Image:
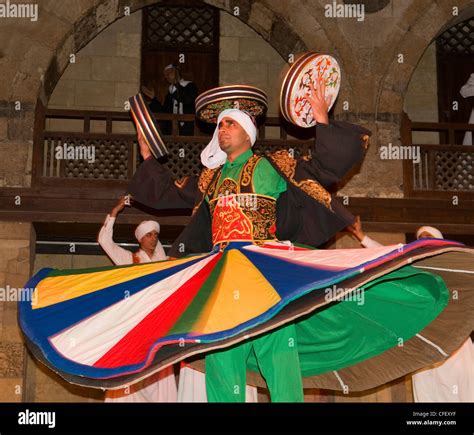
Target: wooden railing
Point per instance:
(95, 149)
(443, 170)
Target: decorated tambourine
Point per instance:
(247, 98)
(146, 124)
(309, 68)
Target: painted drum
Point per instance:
(309, 68)
(247, 98)
(146, 124)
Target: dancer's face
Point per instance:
(233, 139)
(149, 240)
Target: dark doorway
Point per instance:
(182, 32)
(455, 54)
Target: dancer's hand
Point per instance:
(144, 149)
(356, 229)
(319, 103)
(119, 207)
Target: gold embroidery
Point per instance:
(205, 178)
(287, 165)
(227, 187)
(285, 162)
(247, 171)
(243, 217)
(316, 191)
(181, 182)
(365, 139)
(212, 187)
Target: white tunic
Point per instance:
(161, 386)
(121, 256)
(449, 381)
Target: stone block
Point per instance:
(433, 17)
(63, 94)
(229, 48)
(14, 170)
(81, 69)
(57, 261)
(107, 13)
(390, 101)
(104, 44)
(3, 128)
(11, 360)
(123, 91)
(258, 50)
(116, 69)
(92, 94)
(245, 73)
(15, 231)
(128, 23)
(67, 11)
(129, 45)
(261, 18)
(11, 389)
(233, 26)
(21, 125)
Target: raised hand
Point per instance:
(319, 103)
(356, 229)
(119, 207)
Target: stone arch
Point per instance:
(425, 28)
(269, 25)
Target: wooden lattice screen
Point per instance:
(170, 26)
(185, 33)
(458, 39)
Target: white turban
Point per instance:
(145, 227)
(212, 156)
(431, 230)
(468, 89)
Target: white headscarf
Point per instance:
(431, 230)
(145, 227)
(212, 156)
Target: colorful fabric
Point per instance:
(110, 322)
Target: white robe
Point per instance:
(449, 381)
(161, 386)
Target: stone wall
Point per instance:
(43, 384)
(246, 58)
(16, 249)
(421, 99)
(106, 71)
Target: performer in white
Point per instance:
(160, 387)
(451, 380)
(468, 91)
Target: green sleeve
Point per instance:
(267, 181)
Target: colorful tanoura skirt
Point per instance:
(363, 316)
